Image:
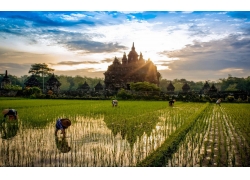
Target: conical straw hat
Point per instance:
(66, 122)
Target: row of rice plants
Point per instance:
(239, 118)
(161, 154)
(213, 141)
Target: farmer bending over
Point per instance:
(218, 101)
(11, 113)
(171, 102)
(62, 124)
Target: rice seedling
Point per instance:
(123, 136)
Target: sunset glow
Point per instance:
(210, 44)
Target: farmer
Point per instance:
(171, 102)
(11, 113)
(62, 124)
(218, 101)
(114, 103)
(62, 145)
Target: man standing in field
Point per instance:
(218, 101)
(114, 103)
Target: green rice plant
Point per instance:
(124, 136)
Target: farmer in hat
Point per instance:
(114, 103)
(11, 113)
(218, 101)
(171, 102)
(62, 124)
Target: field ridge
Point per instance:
(160, 156)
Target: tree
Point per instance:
(144, 86)
(40, 70)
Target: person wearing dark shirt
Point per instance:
(10, 113)
(62, 124)
(171, 102)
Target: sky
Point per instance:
(192, 43)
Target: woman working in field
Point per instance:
(10, 113)
(62, 124)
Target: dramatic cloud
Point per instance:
(188, 44)
(76, 63)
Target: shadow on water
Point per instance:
(62, 145)
(9, 129)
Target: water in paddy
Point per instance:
(89, 142)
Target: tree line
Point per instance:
(43, 73)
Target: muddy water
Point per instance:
(88, 143)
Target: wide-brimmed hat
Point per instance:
(66, 122)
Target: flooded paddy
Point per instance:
(103, 136)
(97, 140)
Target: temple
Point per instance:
(6, 80)
(32, 81)
(170, 87)
(53, 84)
(132, 68)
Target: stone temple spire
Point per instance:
(133, 47)
(132, 56)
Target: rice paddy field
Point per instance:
(134, 134)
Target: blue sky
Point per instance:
(195, 45)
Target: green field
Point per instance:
(136, 133)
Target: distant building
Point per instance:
(53, 84)
(185, 88)
(99, 87)
(170, 87)
(212, 89)
(6, 80)
(205, 88)
(132, 68)
(84, 87)
(32, 82)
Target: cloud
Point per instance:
(211, 43)
(76, 62)
(15, 69)
(45, 19)
(93, 46)
(90, 72)
(107, 60)
(18, 57)
(211, 59)
(239, 14)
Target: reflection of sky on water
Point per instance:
(92, 144)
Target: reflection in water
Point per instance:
(91, 142)
(62, 144)
(9, 129)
